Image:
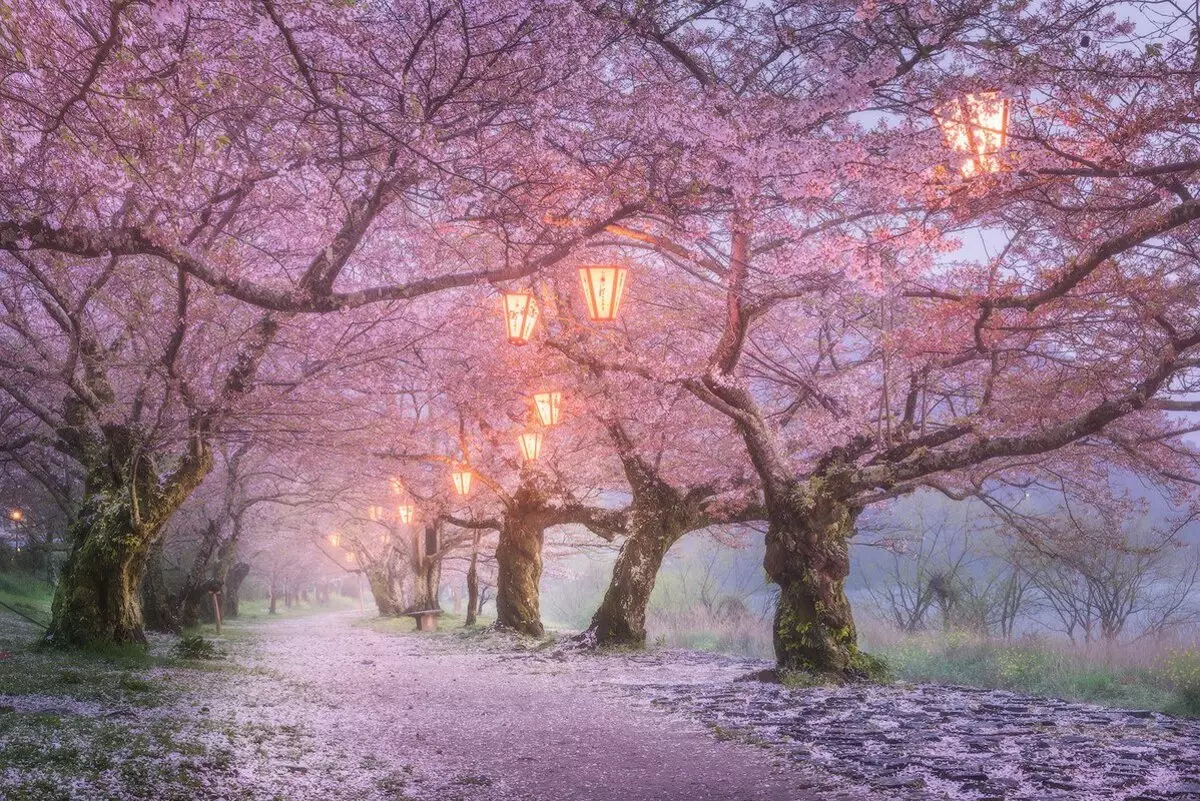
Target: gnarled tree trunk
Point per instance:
(621, 618)
(808, 557)
(519, 575)
(383, 590)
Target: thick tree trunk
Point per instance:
(426, 567)
(98, 595)
(807, 556)
(233, 587)
(274, 595)
(159, 611)
(519, 576)
(383, 590)
(621, 618)
(473, 585)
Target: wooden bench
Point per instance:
(426, 619)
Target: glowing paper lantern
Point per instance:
(16, 515)
(531, 445)
(603, 285)
(335, 539)
(375, 513)
(397, 485)
(547, 406)
(976, 125)
(405, 512)
(520, 316)
(462, 480)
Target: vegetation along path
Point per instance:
(333, 706)
(322, 707)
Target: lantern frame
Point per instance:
(530, 443)
(977, 125)
(461, 476)
(335, 539)
(405, 512)
(547, 405)
(603, 287)
(520, 316)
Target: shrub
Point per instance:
(195, 647)
(1182, 671)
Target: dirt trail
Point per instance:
(357, 714)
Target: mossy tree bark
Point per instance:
(658, 516)
(125, 507)
(537, 504)
(808, 557)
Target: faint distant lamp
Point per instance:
(16, 515)
(397, 485)
(461, 476)
(603, 285)
(531, 445)
(375, 513)
(405, 512)
(520, 316)
(335, 539)
(547, 406)
(978, 126)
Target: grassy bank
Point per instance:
(1164, 677)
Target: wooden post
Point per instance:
(216, 601)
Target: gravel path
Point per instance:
(350, 713)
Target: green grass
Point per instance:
(45, 754)
(1172, 685)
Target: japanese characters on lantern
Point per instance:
(976, 124)
(603, 285)
(531, 445)
(520, 316)
(547, 405)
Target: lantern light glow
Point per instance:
(16, 515)
(547, 406)
(531, 445)
(461, 476)
(603, 285)
(335, 539)
(520, 316)
(396, 484)
(375, 513)
(978, 125)
(405, 512)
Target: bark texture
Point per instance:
(121, 519)
(808, 557)
(519, 574)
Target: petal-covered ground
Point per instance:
(333, 707)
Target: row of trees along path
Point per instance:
(869, 249)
